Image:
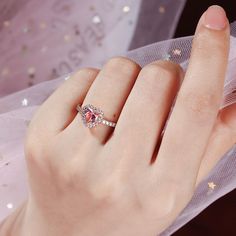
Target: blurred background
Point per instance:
(30, 57)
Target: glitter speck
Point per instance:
(177, 52)
(31, 71)
(96, 19)
(126, 9)
(5, 72)
(162, 9)
(9, 205)
(24, 102)
(67, 77)
(211, 185)
(67, 38)
(167, 57)
(42, 25)
(6, 23)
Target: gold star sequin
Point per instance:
(177, 52)
(162, 9)
(211, 185)
(31, 70)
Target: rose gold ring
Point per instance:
(92, 116)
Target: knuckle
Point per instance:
(72, 176)
(163, 70)
(33, 150)
(86, 73)
(166, 201)
(123, 64)
(169, 66)
(172, 195)
(198, 104)
(37, 149)
(105, 193)
(76, 175)
(159, 77)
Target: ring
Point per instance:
(92, 116)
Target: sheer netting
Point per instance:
(40, 65)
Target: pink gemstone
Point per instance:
(91, 116)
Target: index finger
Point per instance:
(198, 102)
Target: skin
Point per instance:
(128, 180)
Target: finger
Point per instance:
(59, 109)
(108, 93)
(221, 140)
(197, 104)
(146, 109)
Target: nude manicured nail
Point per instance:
(215, 18)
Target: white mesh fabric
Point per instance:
(14, 119)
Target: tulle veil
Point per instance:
(43, 43)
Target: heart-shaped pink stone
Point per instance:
(91, 116)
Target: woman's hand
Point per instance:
(129, 180)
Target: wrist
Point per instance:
(40, 221)
(13, 224)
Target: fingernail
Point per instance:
(215, 18)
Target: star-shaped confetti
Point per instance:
(211, 185)
(177, 52)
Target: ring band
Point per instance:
(92, 116)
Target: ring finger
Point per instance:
(147, 108)
(108, 92)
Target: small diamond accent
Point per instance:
(92, 116)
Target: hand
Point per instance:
(128, 180)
